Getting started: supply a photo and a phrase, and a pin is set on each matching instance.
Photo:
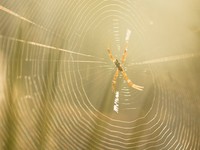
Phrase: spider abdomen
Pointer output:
(118, 65)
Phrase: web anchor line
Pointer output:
(48, 46)
(166, 59)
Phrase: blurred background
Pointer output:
(56, 75)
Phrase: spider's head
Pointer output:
(116, 61)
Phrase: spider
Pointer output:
(121, 69)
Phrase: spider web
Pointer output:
(56, 75)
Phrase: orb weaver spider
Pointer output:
(121, 69)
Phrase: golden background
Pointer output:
(56, 75)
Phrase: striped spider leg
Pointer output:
(125, 52)
(114, 81)
(130, 83)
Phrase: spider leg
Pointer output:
(128, 34)
(114, 81)
(125, 53)
(130, 83)
(110, 55)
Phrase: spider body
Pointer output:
(118, 65)
(121, 70)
